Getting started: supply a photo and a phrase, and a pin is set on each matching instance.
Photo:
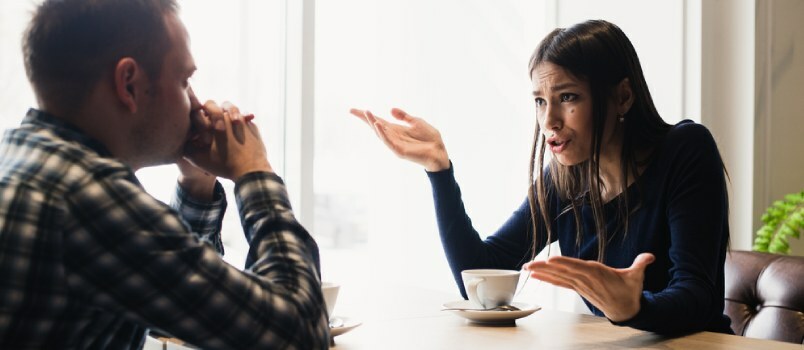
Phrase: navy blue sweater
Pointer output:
(682, 219)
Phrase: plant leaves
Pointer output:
(779, 246)
(783, 219)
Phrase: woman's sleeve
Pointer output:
(508, 248)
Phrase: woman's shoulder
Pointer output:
(688, 134)
(689, 130)
(688, 150)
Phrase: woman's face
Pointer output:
(564, 113)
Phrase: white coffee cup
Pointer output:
(330, 291)
(489, 288)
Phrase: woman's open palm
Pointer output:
(616, 292)
(415, 140)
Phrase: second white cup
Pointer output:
(330, 291)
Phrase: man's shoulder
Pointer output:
(42, 158)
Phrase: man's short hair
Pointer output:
(71, 44)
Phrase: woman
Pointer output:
(639, 207)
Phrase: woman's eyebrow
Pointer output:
(558, 87)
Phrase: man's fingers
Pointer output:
(215, 114)
(201, 127)
(237, 127)
(212, 108)
(200, 121)
(253, 129)
(234, 112)
(220, 120)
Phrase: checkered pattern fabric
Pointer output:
(89, 260)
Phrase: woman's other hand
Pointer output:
(415, 140)
(616, 292)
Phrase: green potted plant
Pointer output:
(782, 220)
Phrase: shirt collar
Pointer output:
(64, 130)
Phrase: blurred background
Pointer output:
(300, 65)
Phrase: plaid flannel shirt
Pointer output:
(89, 260)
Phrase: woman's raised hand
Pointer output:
(415, 140)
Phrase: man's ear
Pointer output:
(128, 82)
(625, 96)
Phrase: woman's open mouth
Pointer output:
(557, 146)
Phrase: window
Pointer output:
(17, 95)
(462, 66)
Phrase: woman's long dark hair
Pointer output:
(599, 53)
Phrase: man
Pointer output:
(87, 258)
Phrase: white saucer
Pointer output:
(348, 325)
(491, 317)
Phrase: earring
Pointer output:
(620, 117)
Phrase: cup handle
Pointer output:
(471, 291)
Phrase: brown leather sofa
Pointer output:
(765, 295)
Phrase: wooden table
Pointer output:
(396, 317)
